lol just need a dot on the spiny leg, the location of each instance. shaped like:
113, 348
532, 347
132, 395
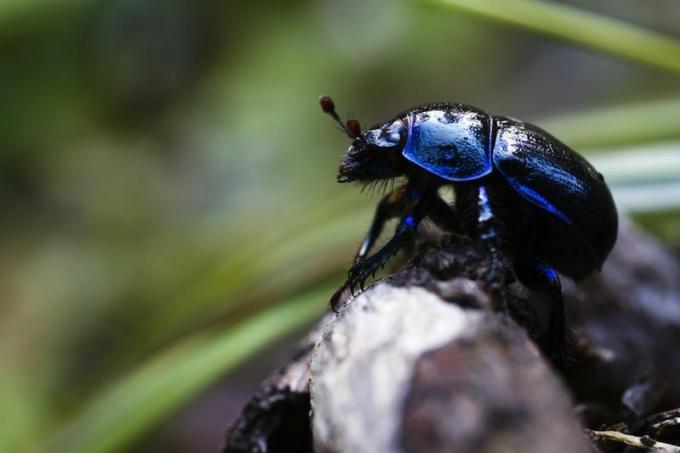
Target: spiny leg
416, 209
540, 277
391, 205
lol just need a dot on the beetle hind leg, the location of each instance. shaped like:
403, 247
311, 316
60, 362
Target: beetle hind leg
539, 277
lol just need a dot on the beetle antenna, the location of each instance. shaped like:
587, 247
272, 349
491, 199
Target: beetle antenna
351, 127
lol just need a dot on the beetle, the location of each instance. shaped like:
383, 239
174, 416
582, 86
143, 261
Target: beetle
517, 189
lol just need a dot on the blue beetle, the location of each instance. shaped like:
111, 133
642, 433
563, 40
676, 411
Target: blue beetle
517, 188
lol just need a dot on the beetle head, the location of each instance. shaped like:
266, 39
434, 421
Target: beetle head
373, 155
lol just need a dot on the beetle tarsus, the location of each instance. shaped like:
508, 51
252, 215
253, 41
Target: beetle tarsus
353, 283
360, 272
335, 301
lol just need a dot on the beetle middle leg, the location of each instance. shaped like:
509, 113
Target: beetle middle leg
542, 278
444, 216
489, 237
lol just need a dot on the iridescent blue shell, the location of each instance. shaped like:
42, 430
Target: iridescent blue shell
452, 142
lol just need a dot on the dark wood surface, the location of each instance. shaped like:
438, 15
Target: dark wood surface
488, 388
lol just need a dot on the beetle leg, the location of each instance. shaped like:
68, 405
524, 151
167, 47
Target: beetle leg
443, 215
404, 233
389, 207
540, 277
487, 234
392, 205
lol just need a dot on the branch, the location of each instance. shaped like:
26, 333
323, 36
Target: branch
400, 369
423, 361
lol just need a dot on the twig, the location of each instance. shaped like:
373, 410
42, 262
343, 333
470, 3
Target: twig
635, 441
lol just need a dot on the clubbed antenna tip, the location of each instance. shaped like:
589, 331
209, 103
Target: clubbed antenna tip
327, 104
351, 127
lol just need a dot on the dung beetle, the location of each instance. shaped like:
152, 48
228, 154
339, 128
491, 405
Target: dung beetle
517, 188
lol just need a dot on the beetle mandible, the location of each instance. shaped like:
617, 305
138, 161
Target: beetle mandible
517, 188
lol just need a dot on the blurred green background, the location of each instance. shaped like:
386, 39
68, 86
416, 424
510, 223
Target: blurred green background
171, 218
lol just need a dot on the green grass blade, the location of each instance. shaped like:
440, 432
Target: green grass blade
643, 179
640, 165
143, 398
279, 264
586, 29
626, 124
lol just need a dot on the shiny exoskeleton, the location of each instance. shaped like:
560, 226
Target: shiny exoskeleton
518, 189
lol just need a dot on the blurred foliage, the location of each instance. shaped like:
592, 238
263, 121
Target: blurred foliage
560, 21
170, 378
168, 181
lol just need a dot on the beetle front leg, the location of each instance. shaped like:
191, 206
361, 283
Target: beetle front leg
389, 207
542, 278
404, 233
392, 205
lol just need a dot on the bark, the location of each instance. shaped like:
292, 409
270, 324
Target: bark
427, 360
